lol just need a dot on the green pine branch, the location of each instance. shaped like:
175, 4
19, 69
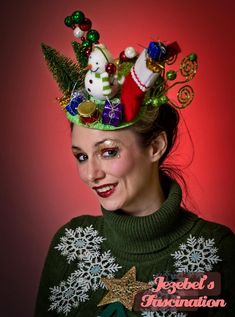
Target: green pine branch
79, 53
64, 70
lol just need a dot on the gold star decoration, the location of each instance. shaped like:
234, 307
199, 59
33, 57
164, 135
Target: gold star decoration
123, 290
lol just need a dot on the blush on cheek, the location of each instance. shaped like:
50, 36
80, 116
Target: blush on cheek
122, 166
82, 174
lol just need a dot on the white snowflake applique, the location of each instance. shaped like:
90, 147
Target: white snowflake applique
92, 268
197, 255
77, 243
162, 313
83, 244
68, 294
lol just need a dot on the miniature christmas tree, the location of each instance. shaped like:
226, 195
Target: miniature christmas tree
64, 70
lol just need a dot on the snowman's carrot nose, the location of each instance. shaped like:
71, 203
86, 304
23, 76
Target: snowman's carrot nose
89, 66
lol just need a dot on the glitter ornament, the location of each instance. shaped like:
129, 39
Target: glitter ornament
78, 32
78, 17
171, 75
130, 52
85, 25
93, 36
192, 57
164, 99
156, 102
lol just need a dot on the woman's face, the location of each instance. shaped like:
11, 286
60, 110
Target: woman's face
115, 167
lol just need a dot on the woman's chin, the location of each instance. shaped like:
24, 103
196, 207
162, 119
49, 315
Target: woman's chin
110, 205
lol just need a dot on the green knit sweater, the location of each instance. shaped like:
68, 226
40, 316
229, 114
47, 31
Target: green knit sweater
172, 239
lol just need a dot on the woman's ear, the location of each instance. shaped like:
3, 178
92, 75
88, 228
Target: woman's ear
158, 146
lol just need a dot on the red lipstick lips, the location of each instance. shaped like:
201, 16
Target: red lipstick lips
106, 190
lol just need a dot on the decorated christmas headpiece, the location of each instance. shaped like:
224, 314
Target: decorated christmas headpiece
104, 93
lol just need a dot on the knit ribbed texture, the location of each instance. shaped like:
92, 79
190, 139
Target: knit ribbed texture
147, 234
148, 243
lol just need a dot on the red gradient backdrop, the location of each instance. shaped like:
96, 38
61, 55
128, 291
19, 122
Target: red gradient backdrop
40, 186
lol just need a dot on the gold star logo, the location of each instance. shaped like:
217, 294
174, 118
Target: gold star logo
123, 290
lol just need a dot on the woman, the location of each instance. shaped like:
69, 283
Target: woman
110, 265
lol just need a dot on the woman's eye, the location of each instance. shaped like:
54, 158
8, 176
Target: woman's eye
110, 153
81, 157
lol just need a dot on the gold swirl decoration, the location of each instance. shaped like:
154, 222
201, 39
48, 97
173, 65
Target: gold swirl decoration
185, 96
188, 67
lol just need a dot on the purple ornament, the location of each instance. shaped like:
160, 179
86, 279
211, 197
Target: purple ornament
112, 113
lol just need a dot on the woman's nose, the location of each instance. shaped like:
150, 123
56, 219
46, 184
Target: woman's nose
94, 170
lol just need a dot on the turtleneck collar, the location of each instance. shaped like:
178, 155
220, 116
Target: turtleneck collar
138, 235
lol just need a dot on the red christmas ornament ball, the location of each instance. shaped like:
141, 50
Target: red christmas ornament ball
110, 68
123, 57
88, 51
85, 25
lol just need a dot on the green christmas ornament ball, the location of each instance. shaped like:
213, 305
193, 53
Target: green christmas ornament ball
68, 21
156, 102
78, 17
163, 100
86, 43
192, 57
171, 75
93, 36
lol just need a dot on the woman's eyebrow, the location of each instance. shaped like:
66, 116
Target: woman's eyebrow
74, 147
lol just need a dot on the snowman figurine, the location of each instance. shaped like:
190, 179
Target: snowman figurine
98, 82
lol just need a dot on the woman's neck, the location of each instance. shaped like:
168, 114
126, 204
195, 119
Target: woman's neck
138, 236
150, 199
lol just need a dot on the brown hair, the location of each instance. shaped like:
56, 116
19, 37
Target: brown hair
154, 121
